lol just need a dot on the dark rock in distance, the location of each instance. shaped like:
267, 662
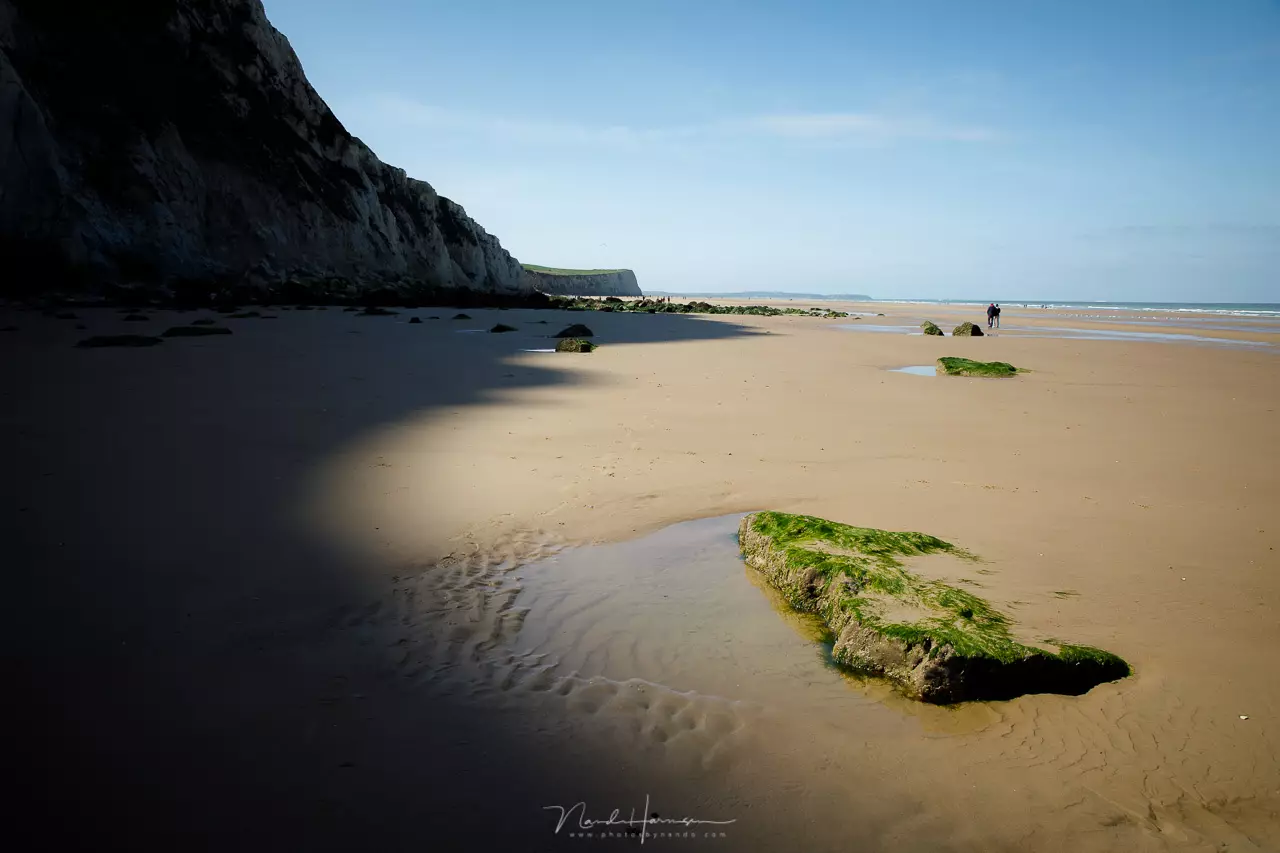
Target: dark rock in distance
413, 321
195, 331
374, 311
136, 318
119, 341
577, 330
462, 316
203, 321
502, 327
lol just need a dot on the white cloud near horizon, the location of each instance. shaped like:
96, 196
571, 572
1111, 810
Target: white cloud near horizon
864, 128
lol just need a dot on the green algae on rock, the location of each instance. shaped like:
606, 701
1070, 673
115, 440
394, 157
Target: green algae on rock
952, 366
574, 345
940, 644
967, 330
930, 328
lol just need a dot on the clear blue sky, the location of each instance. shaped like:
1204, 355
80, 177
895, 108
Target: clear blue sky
1123, 149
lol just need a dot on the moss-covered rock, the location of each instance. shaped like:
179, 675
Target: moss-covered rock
940, 644
952, 366
119, 341
574, 345
966, 330
930, 328
195, 331
577, 330
502, 327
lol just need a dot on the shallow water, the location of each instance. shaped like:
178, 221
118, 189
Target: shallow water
674, 666
1080, 334
917, 370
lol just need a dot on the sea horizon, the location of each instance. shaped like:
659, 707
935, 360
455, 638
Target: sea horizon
1258, 309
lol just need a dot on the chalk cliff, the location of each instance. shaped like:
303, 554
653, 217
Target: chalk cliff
178, 142
611, 283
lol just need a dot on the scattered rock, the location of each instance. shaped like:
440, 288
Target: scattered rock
413, 321
930, 328
349, 309
967, 330
502, 327
195, 331
374, 311
939, 643
577, 330
119, 341
574, 345
462, 316
952, 366
433, 317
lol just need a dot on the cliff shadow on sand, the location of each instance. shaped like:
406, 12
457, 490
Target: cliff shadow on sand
183, 663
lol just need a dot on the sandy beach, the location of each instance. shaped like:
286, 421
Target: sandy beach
344, 582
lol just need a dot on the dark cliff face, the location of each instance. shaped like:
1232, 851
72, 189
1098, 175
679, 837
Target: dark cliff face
164, 140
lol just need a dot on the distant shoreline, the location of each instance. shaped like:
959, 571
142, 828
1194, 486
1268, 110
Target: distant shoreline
1259, 309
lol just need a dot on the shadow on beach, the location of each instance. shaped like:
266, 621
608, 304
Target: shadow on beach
178, 668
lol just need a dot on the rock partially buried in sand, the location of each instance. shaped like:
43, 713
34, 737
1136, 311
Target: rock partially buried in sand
952, 366
574, 345
938, 643
929, 328
502, 327
577, 330
966, 330
119, 341
196, 331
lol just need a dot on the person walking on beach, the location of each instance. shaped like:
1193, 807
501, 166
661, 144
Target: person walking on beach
997, 315
991, 314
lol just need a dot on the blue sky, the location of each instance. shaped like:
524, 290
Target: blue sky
1123, 150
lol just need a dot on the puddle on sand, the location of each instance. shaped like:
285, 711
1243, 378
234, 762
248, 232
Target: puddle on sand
543, 349
873, 327
680, 608
917, 370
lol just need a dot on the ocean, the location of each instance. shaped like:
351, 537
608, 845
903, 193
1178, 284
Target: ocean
1238, 309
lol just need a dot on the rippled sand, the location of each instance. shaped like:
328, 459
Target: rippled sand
321, 584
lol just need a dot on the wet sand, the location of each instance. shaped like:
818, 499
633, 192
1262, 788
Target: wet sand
311, 584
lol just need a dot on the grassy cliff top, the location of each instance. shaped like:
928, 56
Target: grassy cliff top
560, 271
